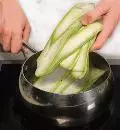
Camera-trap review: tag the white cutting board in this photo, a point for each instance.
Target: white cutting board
(44, 15)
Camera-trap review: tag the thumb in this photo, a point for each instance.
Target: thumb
(95, 14)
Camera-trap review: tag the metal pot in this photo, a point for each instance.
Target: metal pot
(67, 110)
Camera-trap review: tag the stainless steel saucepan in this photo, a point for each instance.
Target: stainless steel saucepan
(79, 108)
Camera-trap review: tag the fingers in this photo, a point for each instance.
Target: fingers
(12, 40)
(6, 39)
(109, 22)
(26, 35)
(26, 32)
(16, 42)
(110, 19)
(95, 14)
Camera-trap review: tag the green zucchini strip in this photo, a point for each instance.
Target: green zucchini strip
(61, 82)
(64, 25)
(46, 83)
(84, 84)
(69, 62)
(95, 74)
(74, 42)
(80, 38)
(70, 17)
(81, 67)
(44, 65)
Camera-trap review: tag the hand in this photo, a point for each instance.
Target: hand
(109, 11)
(15, 26)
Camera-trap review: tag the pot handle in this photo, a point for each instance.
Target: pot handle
(31, 49)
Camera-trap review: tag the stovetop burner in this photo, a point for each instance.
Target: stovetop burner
(15, 116)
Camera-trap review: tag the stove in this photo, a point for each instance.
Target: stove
(15, 116)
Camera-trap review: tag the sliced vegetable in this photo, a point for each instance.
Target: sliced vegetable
(83, 56)
(64, 84)
(94, 75)
(71, 45)
(44, 53)
(74, 87)
(73, 14)
(81, 74)
(81, 67)
(44, 63)
(80, 38)
(83, 85)
(70, 61)
(67, 79)
(48, 82)
(68, 20)
(61, 83)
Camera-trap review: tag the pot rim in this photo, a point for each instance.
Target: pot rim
(71, 95)
(109, 75)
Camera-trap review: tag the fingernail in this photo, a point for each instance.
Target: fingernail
(14, 51)
(6, 49)
(86, 19)
(84, 22)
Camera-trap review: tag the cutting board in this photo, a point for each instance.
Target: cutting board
(44, 15)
